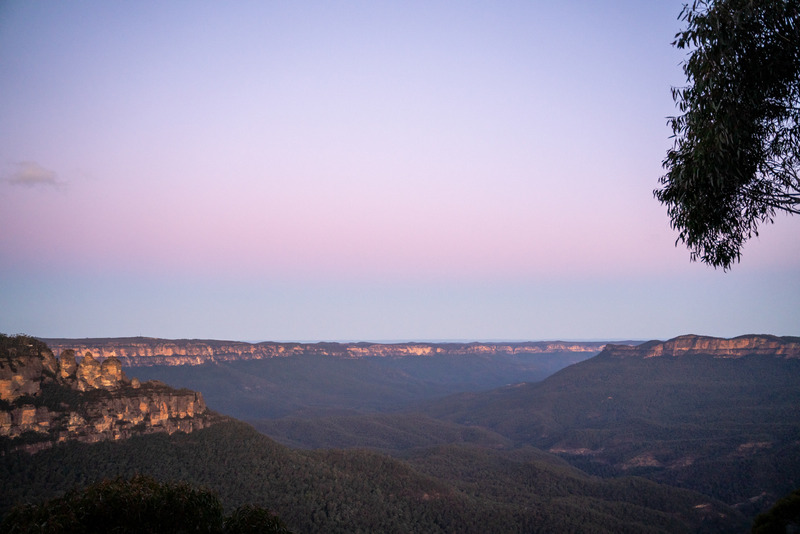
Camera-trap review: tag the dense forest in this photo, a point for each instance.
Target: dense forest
(441, 489)
(139, 504)
(723, 426)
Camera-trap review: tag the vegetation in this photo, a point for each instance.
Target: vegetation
(781, 518)
(308, 385)
(385, 432)
(725, 427)
(464, 489)
(736, 156)
(20, 344)
(140, 504)
(684, 443)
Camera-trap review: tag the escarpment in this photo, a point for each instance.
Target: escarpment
(691, 345)
(142, 351)
(45, 400)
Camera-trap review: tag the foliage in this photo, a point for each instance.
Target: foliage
(781, 518)
(249, 519)
(57, 397)
(736, 156)
(21, 344)
(724, 427)
(386, 432)
(140, 504)
(461, 489)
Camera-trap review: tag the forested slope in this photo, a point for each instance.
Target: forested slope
(439, 490)
(727, 425)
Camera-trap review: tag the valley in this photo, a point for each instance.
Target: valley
(689, 435)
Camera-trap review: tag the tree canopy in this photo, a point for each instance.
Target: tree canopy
(141, 504)
(736, 156)
(784, 516)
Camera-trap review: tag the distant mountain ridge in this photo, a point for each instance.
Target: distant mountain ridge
(145, 352)
(688, 345)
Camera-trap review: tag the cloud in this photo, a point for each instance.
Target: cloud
(31, 174)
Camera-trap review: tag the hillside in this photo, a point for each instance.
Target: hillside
(444, 489)
(711, 423)
(717, 416)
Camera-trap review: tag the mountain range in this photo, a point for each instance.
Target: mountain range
(144, 351)
(269, 380)
(693, 434)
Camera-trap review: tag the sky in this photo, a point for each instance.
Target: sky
(305, 171)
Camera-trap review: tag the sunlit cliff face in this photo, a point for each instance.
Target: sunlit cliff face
(45, 397)
(719, 348)
(140, 352)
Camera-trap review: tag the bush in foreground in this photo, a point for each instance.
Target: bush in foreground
(139, 505)
(782, 518)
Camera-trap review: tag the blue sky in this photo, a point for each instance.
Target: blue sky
(310, 171)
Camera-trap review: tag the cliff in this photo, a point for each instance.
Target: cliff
(142, 351)
(45, 400)
(691, 345)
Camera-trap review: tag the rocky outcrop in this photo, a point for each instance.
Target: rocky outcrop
(22, 373)
(141, 352)
(690, 345)
(45, 400)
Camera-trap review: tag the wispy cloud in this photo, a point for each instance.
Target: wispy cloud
(31, 174)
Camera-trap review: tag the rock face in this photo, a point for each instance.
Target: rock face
(44, 400)
(738, 347)
(142, 352)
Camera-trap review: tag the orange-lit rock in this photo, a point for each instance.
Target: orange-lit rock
(88, 373)
(738, 347)
(116, 409)
(69, 364)
(140, 352)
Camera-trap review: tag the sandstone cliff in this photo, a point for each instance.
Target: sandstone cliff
(141, 351)
(44, 399)
(689, 345)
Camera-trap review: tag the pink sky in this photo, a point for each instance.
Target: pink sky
(417, 170)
